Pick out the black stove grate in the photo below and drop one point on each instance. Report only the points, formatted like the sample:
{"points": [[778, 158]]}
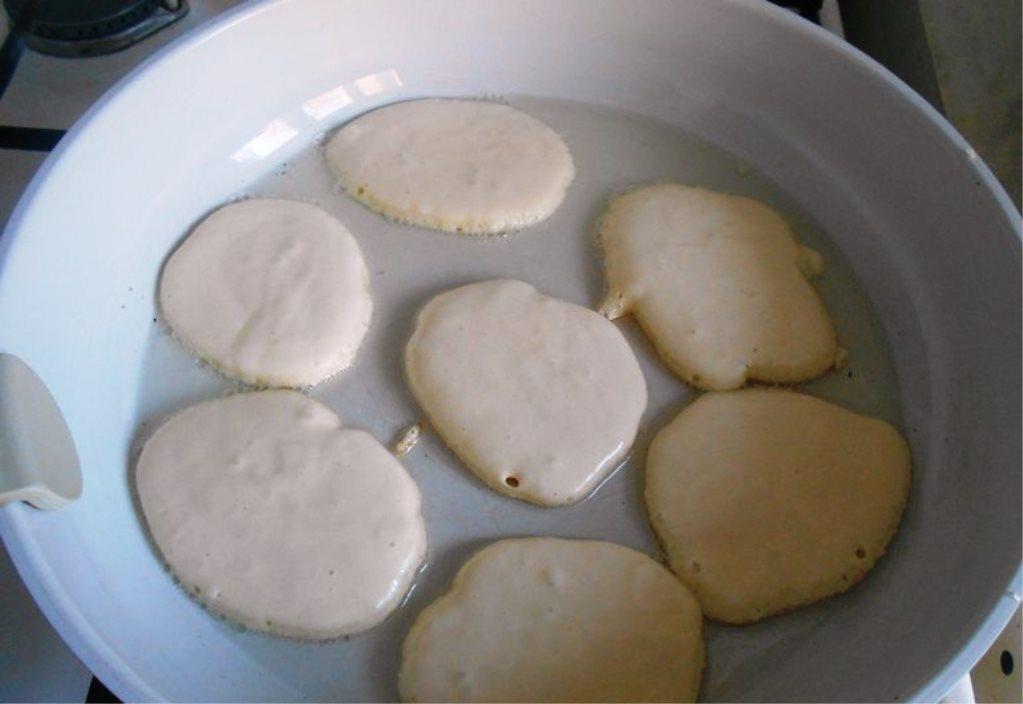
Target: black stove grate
{"points": [[77, 28], [74, 28], [807, 9]]}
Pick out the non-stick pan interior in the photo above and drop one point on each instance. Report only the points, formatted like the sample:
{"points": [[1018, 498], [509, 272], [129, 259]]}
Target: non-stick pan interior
{"points": [[901, 203]]}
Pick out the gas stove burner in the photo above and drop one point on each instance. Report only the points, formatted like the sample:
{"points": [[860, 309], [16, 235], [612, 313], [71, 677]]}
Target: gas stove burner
{"points": [[72, 28]]}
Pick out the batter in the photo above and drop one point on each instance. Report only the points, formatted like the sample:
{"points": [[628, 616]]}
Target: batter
{"points": [[541, 398], [766, 500], [719, 284], [550, 620], [276, 516], [273, 292], [455, 165]]}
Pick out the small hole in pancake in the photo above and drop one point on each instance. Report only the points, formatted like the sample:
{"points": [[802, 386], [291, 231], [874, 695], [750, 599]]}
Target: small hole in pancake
{"points": [[695, 378], [1007, 663], [511, 481], [861, 553], [360, 190], [694, 566]]}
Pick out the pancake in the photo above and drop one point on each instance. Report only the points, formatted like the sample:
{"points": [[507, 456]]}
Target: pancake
{"points": [[551, 620], [456, 165], [539, 397], [719, 284], [273, 292], [766, 500], [273, 514]]}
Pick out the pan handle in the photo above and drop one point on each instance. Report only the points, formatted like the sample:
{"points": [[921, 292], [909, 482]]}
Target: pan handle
{"points": [[38, 460]]}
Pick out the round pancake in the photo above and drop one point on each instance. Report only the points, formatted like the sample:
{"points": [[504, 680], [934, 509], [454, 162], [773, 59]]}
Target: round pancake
{"points": [[456, 165], [274, 515], [539, 397], [273, 292], [766, 500], [551, 620]]}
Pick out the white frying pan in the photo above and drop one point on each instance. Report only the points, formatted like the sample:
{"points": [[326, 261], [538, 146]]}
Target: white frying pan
{"points": [[908, 210]]}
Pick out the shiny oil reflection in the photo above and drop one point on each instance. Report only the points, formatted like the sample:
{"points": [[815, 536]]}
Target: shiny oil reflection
{"points": [[369, 88], [271, 138], [326, 104]]}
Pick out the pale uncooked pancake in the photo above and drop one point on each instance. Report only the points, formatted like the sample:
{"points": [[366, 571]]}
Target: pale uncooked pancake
{"points": [[719, 284], [274, 292], [455, 165], [550, 620], [276, 516], [766, 500], [541, 398]]}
